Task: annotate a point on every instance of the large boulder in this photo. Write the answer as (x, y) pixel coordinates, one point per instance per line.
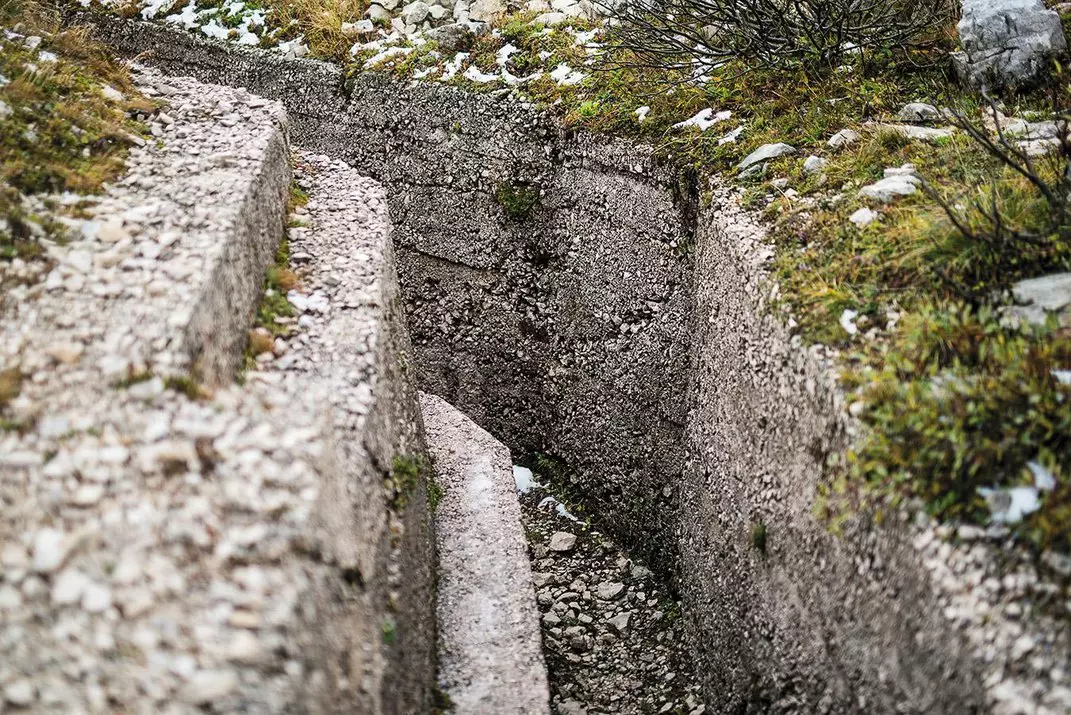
(1007, 43)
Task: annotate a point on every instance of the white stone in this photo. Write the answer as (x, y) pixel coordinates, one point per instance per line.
(814, 164)
(562, 541)
(69, 587)
(207, 686)
(49, 550)
(891, 187)
(918, 112)
(864, 217)
(765, 153)
(20, 693)
(843, 138)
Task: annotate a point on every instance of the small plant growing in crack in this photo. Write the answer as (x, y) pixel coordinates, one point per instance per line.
(517, 200)
(404, 478)
(758, 536)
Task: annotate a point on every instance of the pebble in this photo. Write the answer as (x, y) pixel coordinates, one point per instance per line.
(562, 542)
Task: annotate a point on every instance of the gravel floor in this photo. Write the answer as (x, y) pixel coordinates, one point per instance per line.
(612, 635)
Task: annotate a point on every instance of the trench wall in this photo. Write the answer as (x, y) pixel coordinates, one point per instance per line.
(622, 329)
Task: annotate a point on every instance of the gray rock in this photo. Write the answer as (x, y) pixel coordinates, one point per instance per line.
(814, 164)
(765, 153)
(620, 622)
(1007, 43)
(843, 138)
(610, 590)
(454, 37)
(918, 112)
(1039, 296)
(415, 13)
(897, 182)
(377, 13)
(864, 217)
(562, 542)
(486, 10)
(913, 131)
(21, 693)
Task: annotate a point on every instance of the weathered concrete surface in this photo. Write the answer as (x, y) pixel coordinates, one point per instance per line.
(809, 622)
(490, 658)
(542, 329)
(237, 550)
(584, 330)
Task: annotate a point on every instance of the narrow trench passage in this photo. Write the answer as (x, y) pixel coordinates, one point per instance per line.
(613, 636)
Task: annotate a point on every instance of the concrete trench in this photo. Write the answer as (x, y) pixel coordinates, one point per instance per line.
(621, 328)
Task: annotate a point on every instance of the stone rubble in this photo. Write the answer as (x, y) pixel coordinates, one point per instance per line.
(612, 634)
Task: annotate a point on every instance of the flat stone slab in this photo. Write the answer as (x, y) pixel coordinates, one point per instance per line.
(490, 659)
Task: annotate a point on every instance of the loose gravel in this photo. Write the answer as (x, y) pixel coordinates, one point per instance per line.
(613, 636)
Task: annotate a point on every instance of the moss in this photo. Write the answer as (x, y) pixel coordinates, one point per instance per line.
(59, 132)
(188, 386)
(390, 631)
(758, 536)
(404, 479)
(517, 200)
(435, 495)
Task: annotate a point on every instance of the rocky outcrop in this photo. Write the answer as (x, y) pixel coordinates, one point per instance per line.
(1008, 43)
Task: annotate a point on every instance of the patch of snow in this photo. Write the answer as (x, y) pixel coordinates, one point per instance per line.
(215, 30)
(421, 74)
(566, 76)
(1062, 376)
(524, 479)
(46, 56)
(1043, 478)
(452, 66)
(148, 12)
(187, 18)
(732, 136)
(642, 112)
(847, 321)
(387, 54)
(558, 507)
(474, 74)
(1009, 505)
(504, 53)
(704, 120)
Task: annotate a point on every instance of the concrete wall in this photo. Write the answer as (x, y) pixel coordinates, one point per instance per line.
(617, 332)
(564, 332)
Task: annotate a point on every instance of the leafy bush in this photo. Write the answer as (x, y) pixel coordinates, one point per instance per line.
(697, 35)
(960, 401)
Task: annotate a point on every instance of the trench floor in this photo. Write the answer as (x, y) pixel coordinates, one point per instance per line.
(613, 638)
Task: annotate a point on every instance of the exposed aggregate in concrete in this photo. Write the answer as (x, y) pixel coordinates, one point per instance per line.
(490, 659)
(170, 552)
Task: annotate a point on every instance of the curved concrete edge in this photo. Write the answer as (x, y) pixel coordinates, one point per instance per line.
(490, 657)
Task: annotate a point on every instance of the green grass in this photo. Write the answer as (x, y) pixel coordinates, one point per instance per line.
(517, 200)
(60, 131)
(959, 400)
